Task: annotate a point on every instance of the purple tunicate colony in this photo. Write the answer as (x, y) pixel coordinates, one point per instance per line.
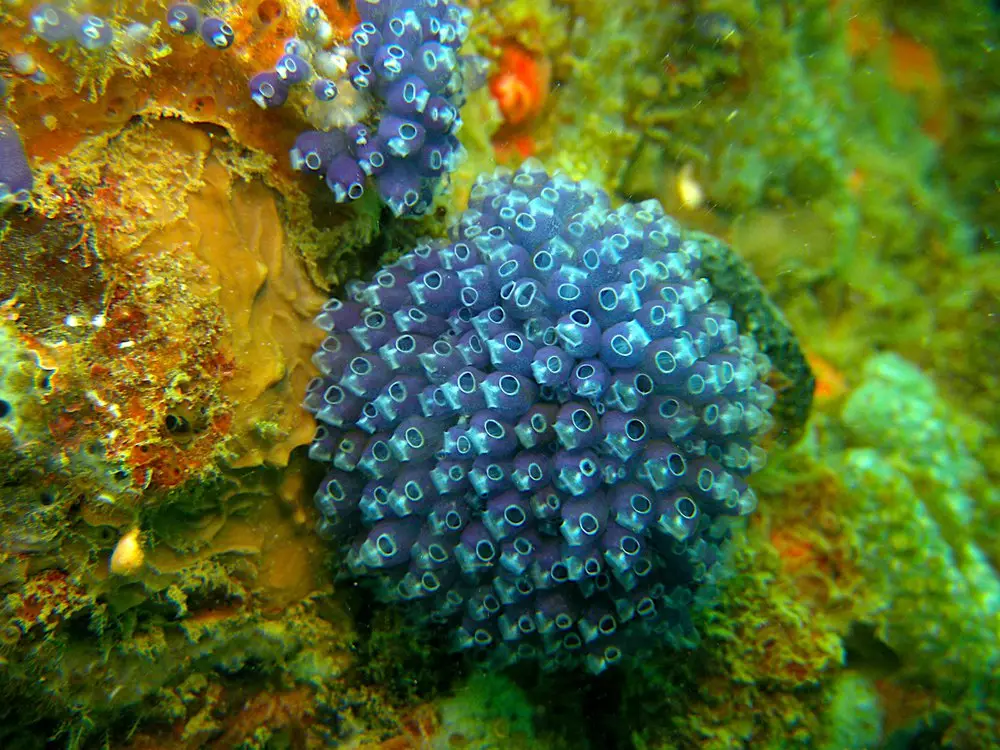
(16, 181)
(537, 429)
(406, 58)
(57, 25)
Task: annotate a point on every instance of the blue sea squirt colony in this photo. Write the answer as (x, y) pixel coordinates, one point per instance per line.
(537, 429)
(402, 68)
(406, 58)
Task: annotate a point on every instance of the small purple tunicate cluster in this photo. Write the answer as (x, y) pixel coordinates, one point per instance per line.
(186, 19)
(539, 428)
(16, 181)
(406, 57)
(57, 25)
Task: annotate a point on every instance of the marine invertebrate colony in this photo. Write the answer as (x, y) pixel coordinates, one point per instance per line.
(406, 56)
(537, 428)
(16, 181)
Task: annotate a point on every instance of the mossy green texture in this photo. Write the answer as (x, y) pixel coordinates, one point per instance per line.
(757, 679)
(816, 164)
(85, 667)
(925, 516)
(792, 119)
(333, 253)
(23, 385)
(491, 710)
(759, 317)
(611, 52)
(965, 45)
(854, 716)
(961, 331)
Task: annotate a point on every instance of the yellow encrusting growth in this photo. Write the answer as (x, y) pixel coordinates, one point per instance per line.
(128, 557)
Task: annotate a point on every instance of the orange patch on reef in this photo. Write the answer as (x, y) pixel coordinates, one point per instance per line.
(168, 465)
(863, 34)
(514, 148)
(520, 87)
(913, 69)
(914, 65)
(856, 181)
(795, 553)
(49, 599)
(419, 728)
(521, 84)
(197, 82)
(902, 703)
(290, 711)
(830, 383)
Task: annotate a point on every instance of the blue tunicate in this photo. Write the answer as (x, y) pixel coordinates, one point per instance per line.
(405, 58)
(360, 75)
(345, 179)
(374, 11)
(324, 89)
(358, 135)
(440, 115)
(402, 137)
(392, 62)
(365, 41)
(16, 181)
(399, 187)
(436, 65)
(268, 90)
(437, 157)
(372, 156)
(93, 32)
(53, 24)
(183, 18)
(475, 70)
(403, 29)
(292, 68)
(314, 150)
(295, 46)
(217, 33)
(561, 473)
(407, 97)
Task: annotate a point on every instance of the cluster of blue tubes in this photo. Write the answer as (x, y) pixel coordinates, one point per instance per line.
(57, 25)
(406, 57)
(537, 428)
(16, 180)
(186, 19)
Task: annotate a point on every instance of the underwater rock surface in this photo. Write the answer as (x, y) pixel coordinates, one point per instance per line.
(165, 243)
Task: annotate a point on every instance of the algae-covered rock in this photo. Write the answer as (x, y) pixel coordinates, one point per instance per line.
(855, 715)
(926, 522)
(756, 314)
(156, 292)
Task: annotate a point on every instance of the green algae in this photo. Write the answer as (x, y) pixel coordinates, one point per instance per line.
(757, 678)
(758, 316)
(492, 710)
(965, 46)
(923, 503)
(855, 717)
